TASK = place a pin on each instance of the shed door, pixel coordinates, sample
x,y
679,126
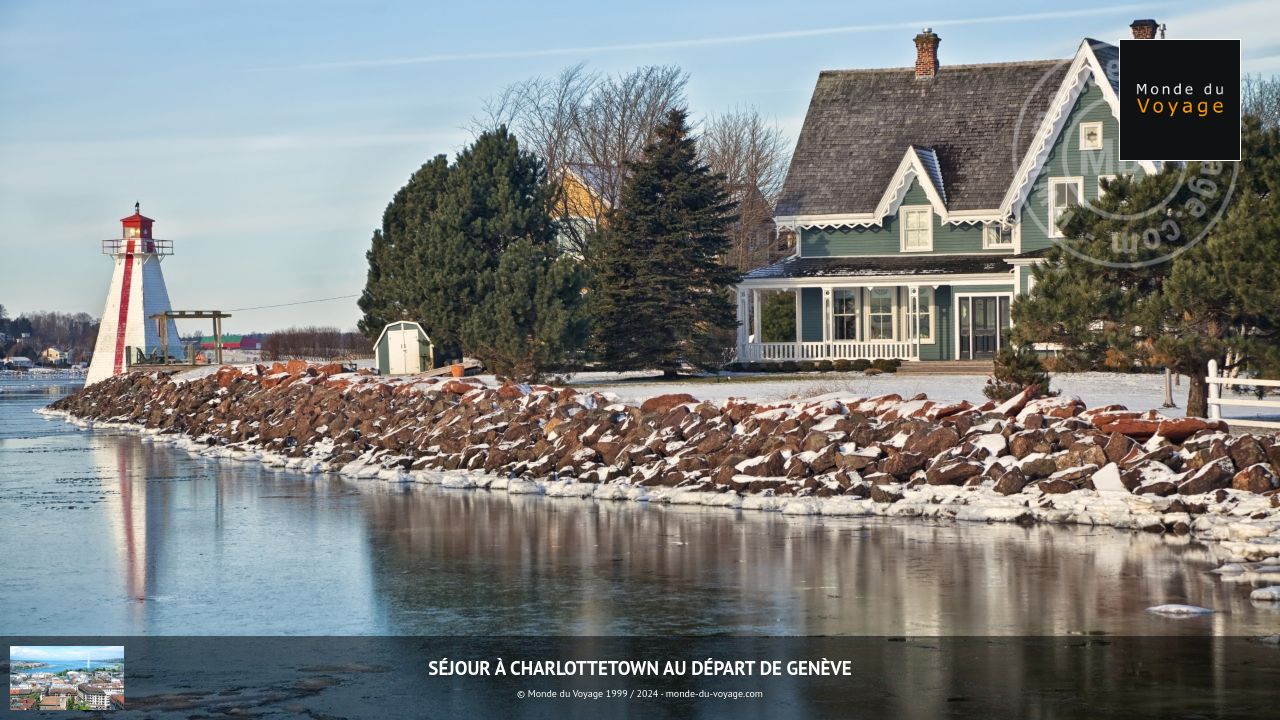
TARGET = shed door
x,y
402,349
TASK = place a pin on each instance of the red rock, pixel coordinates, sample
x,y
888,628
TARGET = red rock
x,y
942,410
566,393
1179,429
1015,404
931,441
954,473
1213,476
295,367
510,391
457,387
1256,478
1055,486
663,403
330,369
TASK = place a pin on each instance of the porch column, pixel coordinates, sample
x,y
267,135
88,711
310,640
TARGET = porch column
x,y
828,327
743,317
913,317
755,315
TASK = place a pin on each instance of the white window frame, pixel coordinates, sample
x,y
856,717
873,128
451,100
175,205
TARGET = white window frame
x,y
1085,127
893,314
902,221
999,228
1108,178
855,297
1054,232
928,309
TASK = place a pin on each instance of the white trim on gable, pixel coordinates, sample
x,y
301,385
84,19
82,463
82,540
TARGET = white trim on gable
x,y
1084,67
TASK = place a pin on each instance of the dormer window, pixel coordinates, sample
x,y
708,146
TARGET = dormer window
x,y
1091,136
917,228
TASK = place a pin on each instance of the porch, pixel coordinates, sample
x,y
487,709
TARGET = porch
x,y
839,320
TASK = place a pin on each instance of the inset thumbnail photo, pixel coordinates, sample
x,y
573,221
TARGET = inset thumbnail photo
x,y
66,677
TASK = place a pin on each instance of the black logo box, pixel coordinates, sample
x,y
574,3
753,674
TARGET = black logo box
x,y
1187,68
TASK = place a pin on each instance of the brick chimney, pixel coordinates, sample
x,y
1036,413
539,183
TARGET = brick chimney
x,y
927,54
1144,29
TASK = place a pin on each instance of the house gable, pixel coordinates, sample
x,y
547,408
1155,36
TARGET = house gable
x,y
1065,159
885,238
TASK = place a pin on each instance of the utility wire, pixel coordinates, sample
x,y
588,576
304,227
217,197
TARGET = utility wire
x,y
300,302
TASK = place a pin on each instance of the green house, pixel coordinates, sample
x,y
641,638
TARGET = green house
x,y
920,196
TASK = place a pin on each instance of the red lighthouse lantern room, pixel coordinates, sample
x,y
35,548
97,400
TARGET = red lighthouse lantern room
x,y
137,232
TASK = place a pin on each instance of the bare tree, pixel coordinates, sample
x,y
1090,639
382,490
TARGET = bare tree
x,y
753,154
619,118
589,125
1261,97
315,343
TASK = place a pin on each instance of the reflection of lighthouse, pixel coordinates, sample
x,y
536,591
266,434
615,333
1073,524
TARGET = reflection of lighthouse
x,y
137,292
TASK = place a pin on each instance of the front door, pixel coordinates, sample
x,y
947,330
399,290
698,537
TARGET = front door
x,y
984,323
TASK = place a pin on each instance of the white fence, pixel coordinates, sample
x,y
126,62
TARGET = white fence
x,y
834,350
1216,400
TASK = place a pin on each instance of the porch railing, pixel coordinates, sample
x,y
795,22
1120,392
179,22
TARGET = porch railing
x,y
834,350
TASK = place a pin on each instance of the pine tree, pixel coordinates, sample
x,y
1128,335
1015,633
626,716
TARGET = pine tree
x,y
1212,298
390,287
495,194
1016,368
530,316
659,287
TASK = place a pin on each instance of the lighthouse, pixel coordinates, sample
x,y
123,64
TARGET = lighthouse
x,y
137,292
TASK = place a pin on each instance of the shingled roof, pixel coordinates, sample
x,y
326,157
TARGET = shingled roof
x,y
860,122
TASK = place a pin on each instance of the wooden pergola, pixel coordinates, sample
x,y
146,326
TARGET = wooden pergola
x,y
217,316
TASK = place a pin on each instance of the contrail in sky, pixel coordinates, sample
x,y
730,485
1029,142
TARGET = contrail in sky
x,y
709,41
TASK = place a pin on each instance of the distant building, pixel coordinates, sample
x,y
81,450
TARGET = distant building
x,y
53,702
17,362
117,702
22,703
53,356
93,696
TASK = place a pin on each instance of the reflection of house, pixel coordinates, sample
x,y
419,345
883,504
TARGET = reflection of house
x,y
53,702
920,197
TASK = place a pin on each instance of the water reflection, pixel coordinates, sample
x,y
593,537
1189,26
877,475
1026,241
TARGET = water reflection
x,y
466,562
116,535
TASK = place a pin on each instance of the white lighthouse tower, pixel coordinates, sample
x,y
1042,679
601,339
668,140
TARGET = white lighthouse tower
x,y
137,292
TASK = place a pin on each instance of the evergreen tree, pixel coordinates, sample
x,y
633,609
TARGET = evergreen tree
x,y
778,318
1016,368
659,286
530,315
1212,298
495,194
391,283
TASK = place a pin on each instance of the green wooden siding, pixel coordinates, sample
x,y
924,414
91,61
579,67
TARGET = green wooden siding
x,y
980,289
944,334
811,314
1066,159
886,240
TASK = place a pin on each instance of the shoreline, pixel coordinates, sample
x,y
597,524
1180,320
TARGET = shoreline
x,y
1246,524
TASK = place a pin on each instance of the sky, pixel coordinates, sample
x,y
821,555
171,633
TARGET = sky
x,y
266,137
65,652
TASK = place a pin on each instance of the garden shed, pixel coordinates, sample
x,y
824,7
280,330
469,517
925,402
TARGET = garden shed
x,y
403,348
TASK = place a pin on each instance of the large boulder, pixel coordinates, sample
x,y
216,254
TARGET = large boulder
x,y
1256,478
1212,476
664,403
952,473
931,441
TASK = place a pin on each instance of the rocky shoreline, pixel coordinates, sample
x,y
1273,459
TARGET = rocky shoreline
x,y
1046,460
